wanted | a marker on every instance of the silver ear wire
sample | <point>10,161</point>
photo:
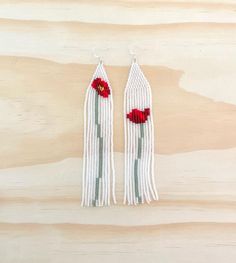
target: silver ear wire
<point>97,56</point>
<point>133,54</point>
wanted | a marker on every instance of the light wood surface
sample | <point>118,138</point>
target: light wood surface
<point>187,50</point>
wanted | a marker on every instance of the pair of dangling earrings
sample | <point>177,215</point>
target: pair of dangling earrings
<point>98,186</point>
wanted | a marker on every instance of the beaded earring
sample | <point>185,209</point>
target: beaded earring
<point>98,166</point>
<point>139,139</point>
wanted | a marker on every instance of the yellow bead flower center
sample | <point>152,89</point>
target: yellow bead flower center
<point>101,88</point>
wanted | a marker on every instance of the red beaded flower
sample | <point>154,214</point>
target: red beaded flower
<point>101,86</point>
<point>138,116</point>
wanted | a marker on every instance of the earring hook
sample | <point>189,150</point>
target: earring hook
<point>133,54</point>
<point>96,55</point>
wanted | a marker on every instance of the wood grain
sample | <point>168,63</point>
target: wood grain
<point>186,49</point>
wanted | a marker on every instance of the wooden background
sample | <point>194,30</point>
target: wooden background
<point>187,50</point>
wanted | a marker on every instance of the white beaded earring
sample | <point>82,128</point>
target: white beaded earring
<point>98,167</point>
<point>139,139</point>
